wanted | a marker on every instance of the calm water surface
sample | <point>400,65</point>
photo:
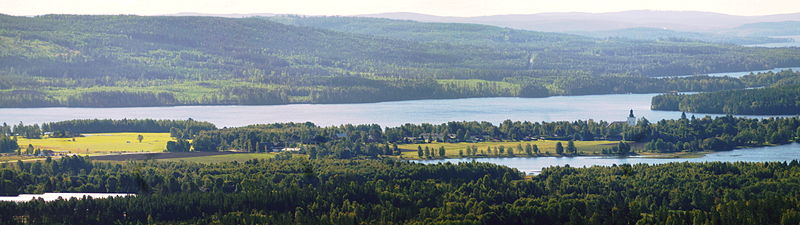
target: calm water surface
<point>794,43</point>
<point>54,196</point>
<point>534,165</point>
<point>495,110</point>
<point>740,74</point>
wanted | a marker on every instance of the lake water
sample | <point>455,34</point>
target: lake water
<point>738,74</point>
<point>495,110</point>
<point>535,165</point>
<point>54,196</point>
<point>794,43</point>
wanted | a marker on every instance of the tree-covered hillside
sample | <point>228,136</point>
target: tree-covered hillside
<point>781,96</point>
<point>115,61</point>
<point>555,51</point>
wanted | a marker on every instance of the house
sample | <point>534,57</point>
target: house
<point>291,149</point>
<point>285,149</point>
<point>432,136</point>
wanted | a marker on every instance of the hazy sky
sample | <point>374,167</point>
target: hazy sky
<point>351,7</point>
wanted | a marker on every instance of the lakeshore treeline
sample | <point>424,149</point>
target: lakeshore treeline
<point>352,141</point>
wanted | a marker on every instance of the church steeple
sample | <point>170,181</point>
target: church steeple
<point>631,119</point>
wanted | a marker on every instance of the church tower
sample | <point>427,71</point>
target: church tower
<point>631,119</point>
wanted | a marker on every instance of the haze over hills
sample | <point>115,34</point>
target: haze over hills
<point>638,24</point>
<point>578,21</point>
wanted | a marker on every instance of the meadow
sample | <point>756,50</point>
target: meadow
<point>546,147</point>
<point>102,143</point>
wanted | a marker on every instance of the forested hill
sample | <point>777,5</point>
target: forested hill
<point>91,61</point>
<point>213,47</point>
<point>780,95</point>
<point>563,52</point>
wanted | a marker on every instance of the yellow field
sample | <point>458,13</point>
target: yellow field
<point>102,143</point>
<point>240,157</point>
<point>545,147</point>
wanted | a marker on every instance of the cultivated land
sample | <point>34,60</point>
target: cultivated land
<point>102,143</point>
<point>546,147</point>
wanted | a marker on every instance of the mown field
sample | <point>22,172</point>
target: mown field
<point>546,147</point>
<point>102,143</point>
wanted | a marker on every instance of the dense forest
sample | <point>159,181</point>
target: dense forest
<point>324,191</point>
<point>73,128</point>
<point>117,61</point>
<point>780,95</point>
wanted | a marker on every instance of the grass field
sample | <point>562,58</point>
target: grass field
<point>240,157</point>
<point>545,147</point>
<point>102,143</point>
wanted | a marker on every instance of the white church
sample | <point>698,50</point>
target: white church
<point>630,122</point>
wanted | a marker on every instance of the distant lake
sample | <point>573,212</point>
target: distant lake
<point>736,74</point>
<point>794,43</point>
<point>535,165</point>
<point>559,108</point>
<point>66,196</point>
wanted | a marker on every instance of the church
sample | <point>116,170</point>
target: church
<point>631,119</point>
<point>630,122</point>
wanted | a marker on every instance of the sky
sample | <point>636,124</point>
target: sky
<point>355,7</point>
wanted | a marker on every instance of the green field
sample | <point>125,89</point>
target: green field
<point>545,147</point>
<point>240,157</point>
<point>102,143</point>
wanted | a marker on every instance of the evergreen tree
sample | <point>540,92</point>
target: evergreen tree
<point>528,149</point>
<point>571,147</point>
<point>427,152</point>
<point>559,148</point>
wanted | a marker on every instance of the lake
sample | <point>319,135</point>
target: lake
<point>54,196</point>
<point>737,74</point>
<point>535,165</point>
<point>794,43</point>
<point>558,108</point>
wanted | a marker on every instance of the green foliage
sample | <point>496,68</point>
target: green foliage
<point>115,61</point>
<point>301,191</point>
<point>8,144</point>
<point>178,146</point>
<point>185,127</point>
<point>784,100</point>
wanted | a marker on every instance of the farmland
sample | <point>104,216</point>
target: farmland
<point>102,143</point>
<point>546,147</point>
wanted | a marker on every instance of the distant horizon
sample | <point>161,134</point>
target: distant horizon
<point>443,8</point>
<point>399,12</point>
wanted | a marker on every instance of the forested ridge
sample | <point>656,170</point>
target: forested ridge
<point>778,94</point>
<point>117,61</point>
<point>302,191</point>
